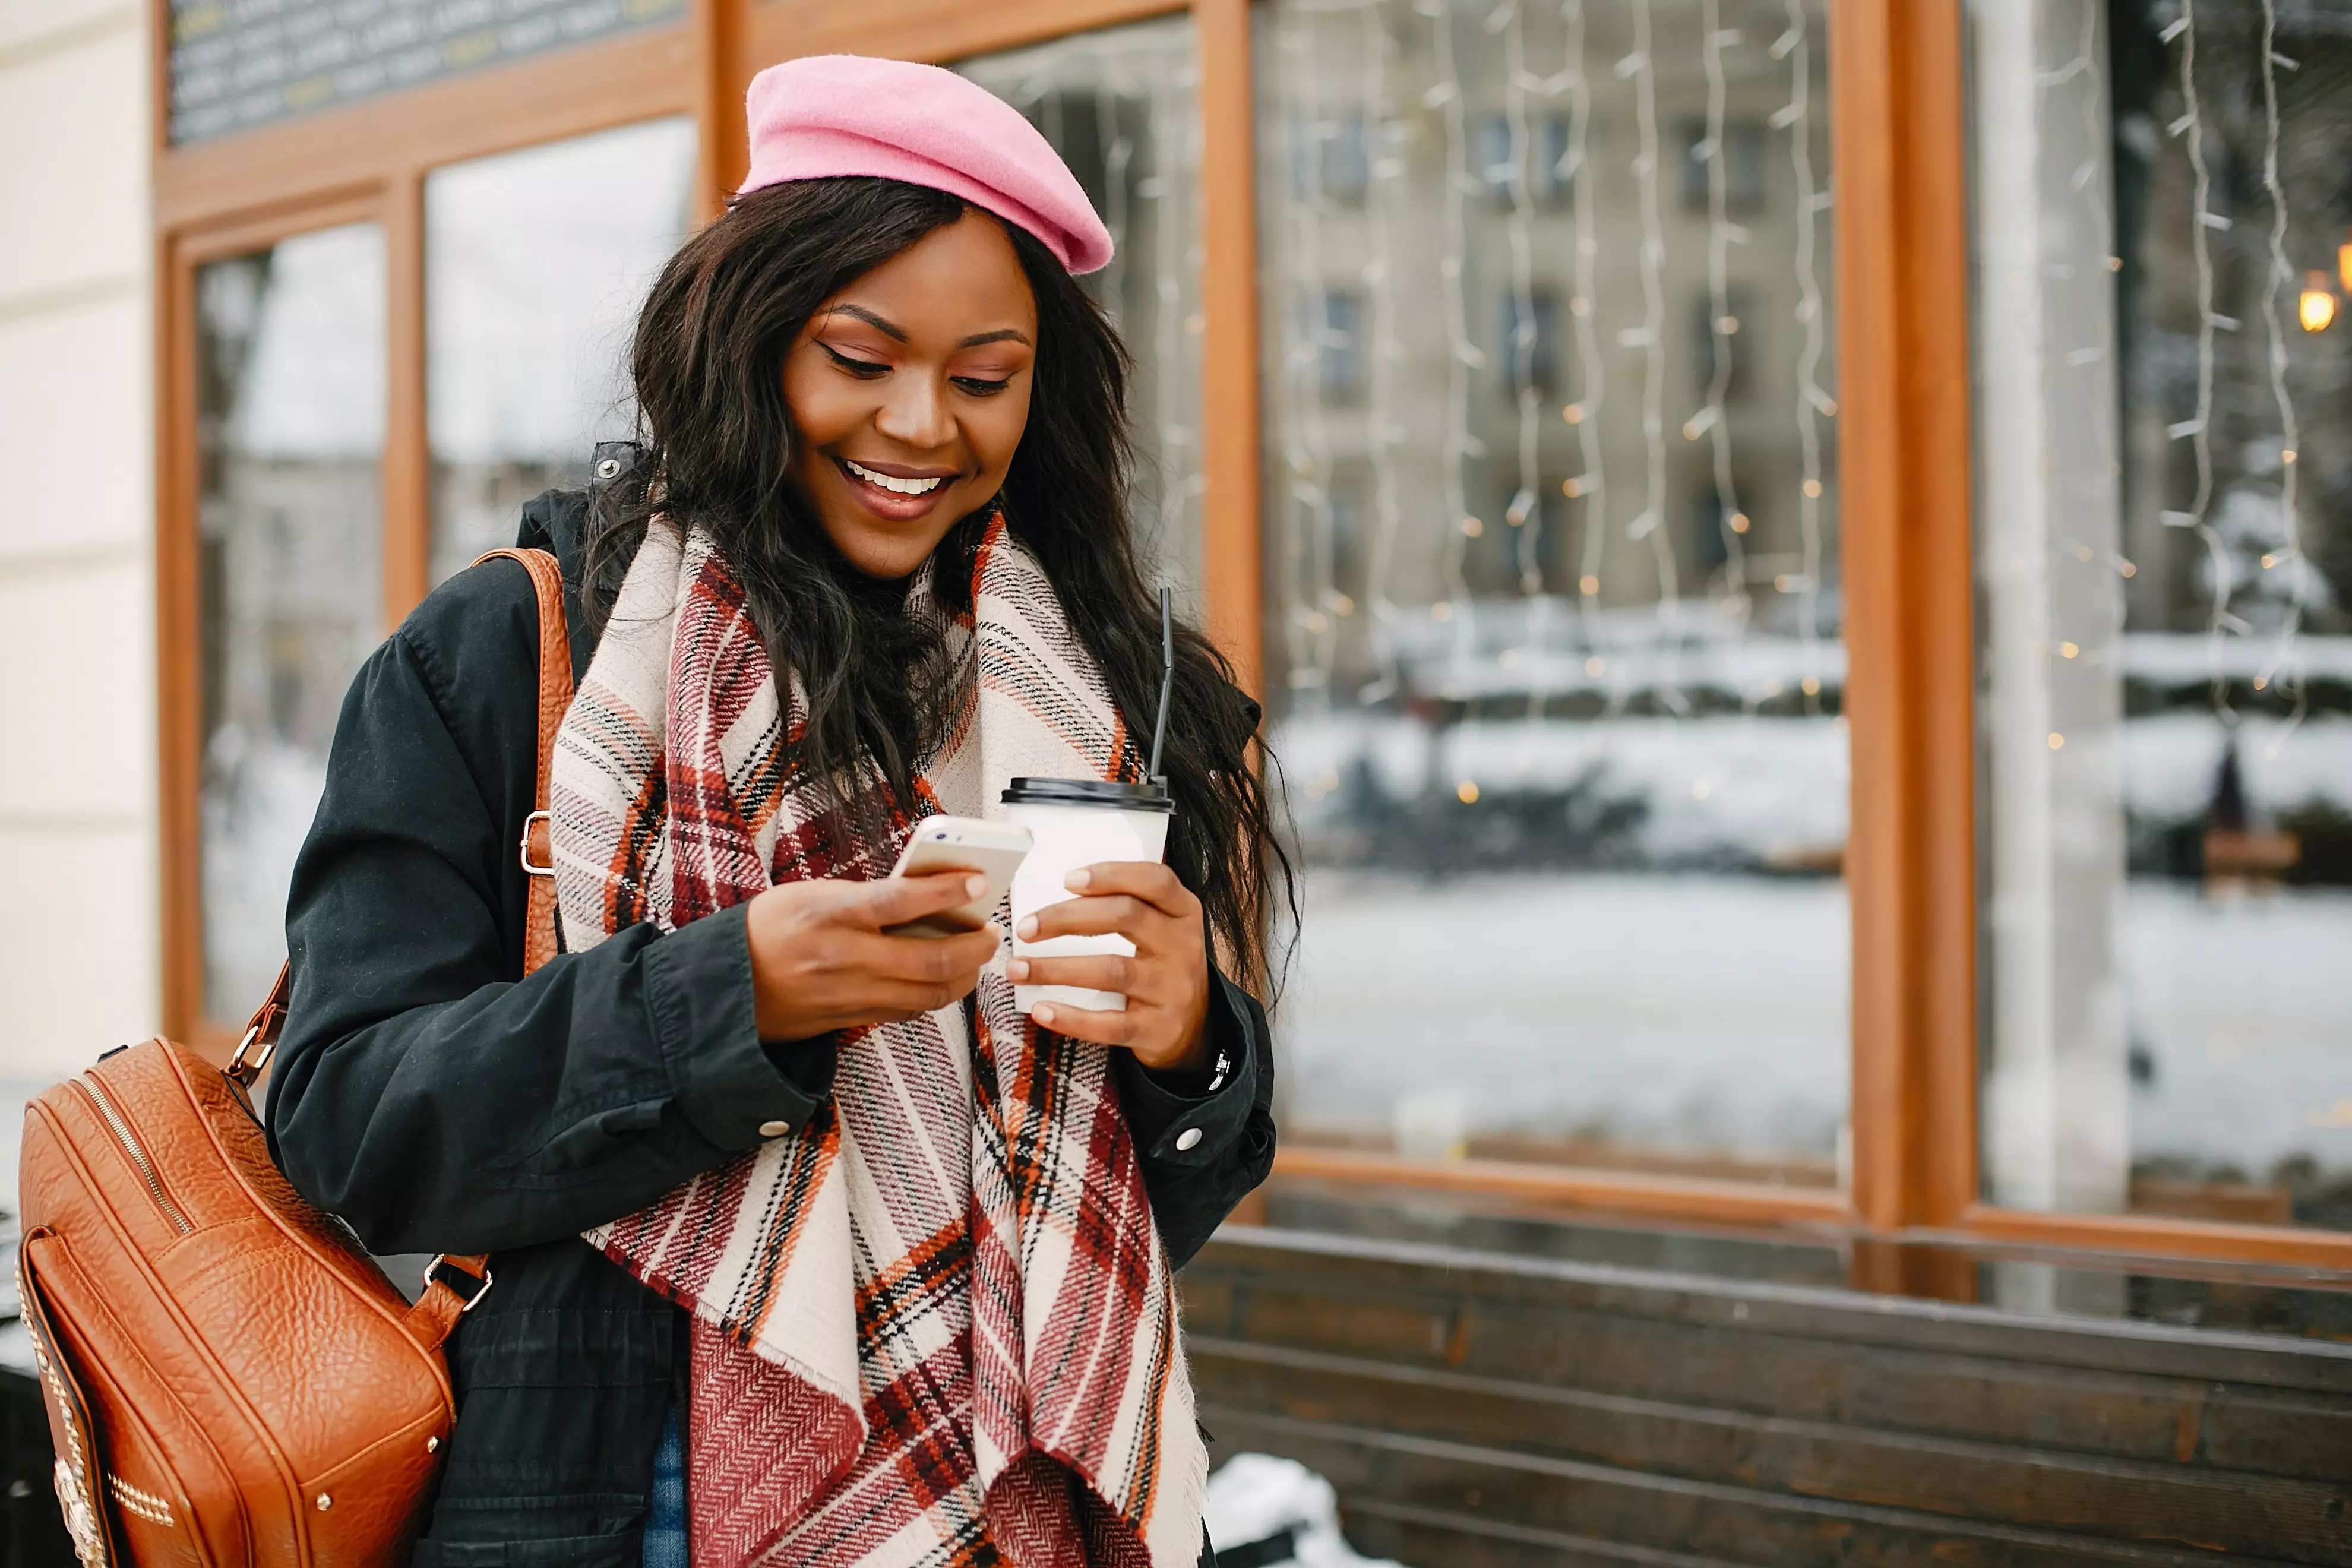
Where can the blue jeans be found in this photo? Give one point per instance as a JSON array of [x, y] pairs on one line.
[[666, 1520]]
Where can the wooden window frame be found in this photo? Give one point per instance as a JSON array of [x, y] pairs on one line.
[[1901, 236]]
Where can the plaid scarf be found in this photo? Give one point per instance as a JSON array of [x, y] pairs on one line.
[[935, 1326]]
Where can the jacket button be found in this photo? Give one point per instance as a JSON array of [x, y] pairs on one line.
[[432, 1445], [608, 467], [325, 1503], [1187, 1138], [774, 1129]]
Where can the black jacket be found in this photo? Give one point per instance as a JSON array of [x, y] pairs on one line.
[[440, 1102]]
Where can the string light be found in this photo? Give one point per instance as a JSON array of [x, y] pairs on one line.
[[1462, 356], [2290, 436], [1814, 403], [1118, 153], [1176, 262], [1713, 420], [1525, 512], [2197, 429], [1119, 65], [2315, 307], [2084, 67], [1384, 171], [1589, 485], [1651, 336], [1454, 77], [1649, 524], [1313, 637]]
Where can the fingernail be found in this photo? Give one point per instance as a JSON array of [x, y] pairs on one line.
[[1029, 929], [1018, 969], [973, 886], [1045, 1013], [1077, 879]]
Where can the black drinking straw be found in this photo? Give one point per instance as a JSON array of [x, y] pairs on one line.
[[1166, 676]]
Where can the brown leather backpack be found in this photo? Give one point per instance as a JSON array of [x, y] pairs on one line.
[[230, 1378]]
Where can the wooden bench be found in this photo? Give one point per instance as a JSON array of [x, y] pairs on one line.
[[1474, 1409]]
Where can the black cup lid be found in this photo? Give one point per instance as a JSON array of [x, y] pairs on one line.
[[1152, 796]]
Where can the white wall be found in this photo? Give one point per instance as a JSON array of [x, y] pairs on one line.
[[79, 967]]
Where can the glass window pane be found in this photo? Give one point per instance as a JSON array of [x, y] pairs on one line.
[[290, 422], [1121, 106], [536, 265], [2165, 544], [1553, 579]]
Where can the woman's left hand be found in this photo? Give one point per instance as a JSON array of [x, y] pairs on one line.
[[1166, 983]]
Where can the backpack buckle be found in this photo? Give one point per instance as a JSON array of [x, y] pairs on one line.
[[471, 1290], [544, 840]]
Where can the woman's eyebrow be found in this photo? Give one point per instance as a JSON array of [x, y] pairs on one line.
[[897, 334], [871, 319]]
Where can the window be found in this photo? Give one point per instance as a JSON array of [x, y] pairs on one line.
[[1520, 503], [1501, 164], [1528, 339], [1732, 154], [1121, 106], [2164, 453], [1337, 342], [536, 263], [1570, 790], [290, 415], [1716, 316]]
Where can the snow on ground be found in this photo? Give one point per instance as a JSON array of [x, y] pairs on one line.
[[2170, 760], [1703, 1013], [1760, 785], [1757, 785], [1710, 1013], [1257, 1497], [2245, 1007], [2184, 660]]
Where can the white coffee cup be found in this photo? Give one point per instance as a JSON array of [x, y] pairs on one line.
[[1075, 823]]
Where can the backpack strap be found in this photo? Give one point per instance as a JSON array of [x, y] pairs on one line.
[[453, 1283], [539, 942], [536, 850]]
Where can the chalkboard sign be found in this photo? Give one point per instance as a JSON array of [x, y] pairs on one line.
[[237, 64]]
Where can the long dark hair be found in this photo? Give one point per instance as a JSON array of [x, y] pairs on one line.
[[707, 365]]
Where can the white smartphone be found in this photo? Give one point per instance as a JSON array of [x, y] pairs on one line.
[[994, 850]]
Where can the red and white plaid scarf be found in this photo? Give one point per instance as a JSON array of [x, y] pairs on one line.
[[935, 1327]]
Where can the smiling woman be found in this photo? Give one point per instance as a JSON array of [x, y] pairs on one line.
[[870, 558]]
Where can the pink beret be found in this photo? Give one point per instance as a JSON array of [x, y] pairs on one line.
[[847, 114]]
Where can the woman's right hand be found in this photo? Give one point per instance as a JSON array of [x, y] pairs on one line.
[[821, 960]]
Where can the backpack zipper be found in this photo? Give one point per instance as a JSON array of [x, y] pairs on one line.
[[104, 1103]]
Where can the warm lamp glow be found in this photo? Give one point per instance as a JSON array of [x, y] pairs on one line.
[[2344, 265], [2316, 308]]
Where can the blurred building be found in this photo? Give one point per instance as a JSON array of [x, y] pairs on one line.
[[1795, 550]]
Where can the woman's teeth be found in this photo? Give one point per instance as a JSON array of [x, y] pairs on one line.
[[895, 487]]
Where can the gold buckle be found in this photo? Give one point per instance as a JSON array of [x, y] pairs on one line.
[[244, 1071], [524, 848]]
